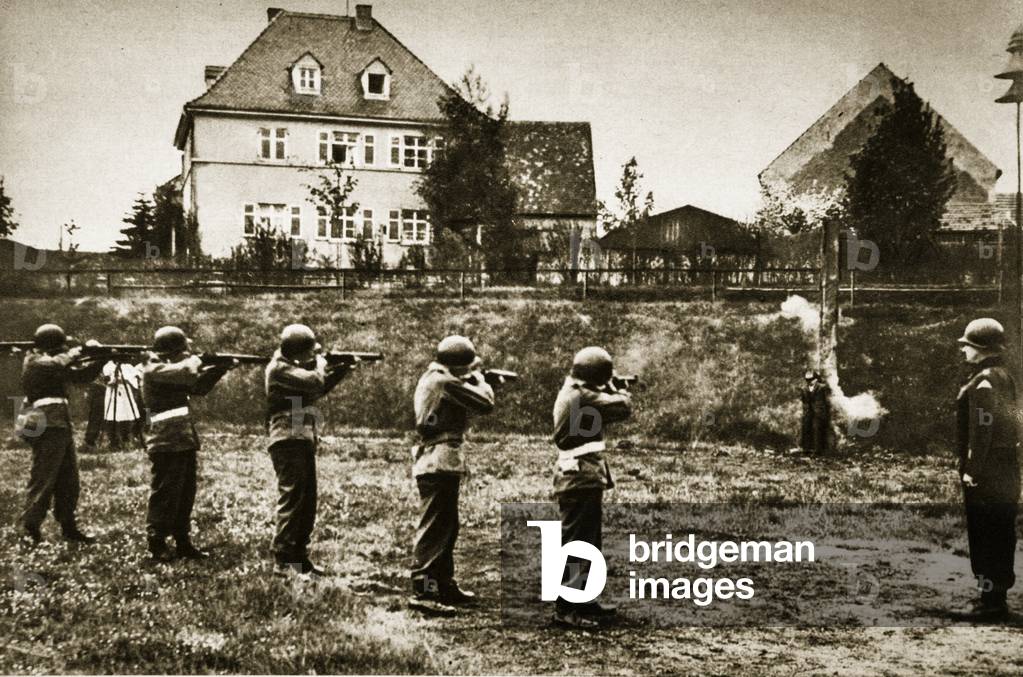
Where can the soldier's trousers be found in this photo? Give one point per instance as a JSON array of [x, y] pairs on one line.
[[53, 478], [172, 494], [581, 520], [433, 552], [991, 509], [295, 465], [96, 394]]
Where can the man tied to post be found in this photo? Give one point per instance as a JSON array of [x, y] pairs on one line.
[[451, 391], [45, 424], [170, 375], [588, 401], [987, 444], [296, 377]]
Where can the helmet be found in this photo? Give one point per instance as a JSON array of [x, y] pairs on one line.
[[170, 340], [49, 337], [985, 334], [456, 351], [296, 339], [592, 365]]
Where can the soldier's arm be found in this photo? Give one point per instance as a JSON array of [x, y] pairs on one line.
[[472, 392], [982, 416], [612, 406], [208, 377], [295, 380], [334, 376], [184, 373]]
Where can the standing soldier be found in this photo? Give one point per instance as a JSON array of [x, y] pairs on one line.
[[296, 378], [45, 423], [169, 377], [588, 400], [988, 466], [452, 389], [816, 423]]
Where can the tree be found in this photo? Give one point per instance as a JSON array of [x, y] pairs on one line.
[[330, 195], [138, 235], [168, 223], [7, 223], [468, 185], [70, 228], [900, 181], [783, 213], [269, 249], [628, 212]]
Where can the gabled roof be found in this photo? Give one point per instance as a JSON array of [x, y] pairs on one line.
[[551, 163], [685, 230], [259, 79], [967, 217], [820, 155]]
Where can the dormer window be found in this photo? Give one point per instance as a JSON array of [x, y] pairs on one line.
[[376, 80], [306, 75]]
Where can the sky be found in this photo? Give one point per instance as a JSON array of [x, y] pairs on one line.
[[704, 93]]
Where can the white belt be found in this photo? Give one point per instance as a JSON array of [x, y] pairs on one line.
[[43, 401], [170, 413], [588, 448]]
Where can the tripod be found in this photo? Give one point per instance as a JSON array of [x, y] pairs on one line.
[[119, 382]]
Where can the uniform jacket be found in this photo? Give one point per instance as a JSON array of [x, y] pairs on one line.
[[987, 422], [580, 413], [166, 387], [443, 404], [291, 390], [44, 379]]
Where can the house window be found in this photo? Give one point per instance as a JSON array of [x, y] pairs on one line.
[[348, 224], [272, 216], [338, 147], [394, 226], [272, 143], [322, 219], [414, 225], [368, 150], [308, 80], [375, 83], [415, 151], [367, 224], [438, 147]]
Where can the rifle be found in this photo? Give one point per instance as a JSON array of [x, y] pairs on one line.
[[496, 377], [97, 350], [350, 359], [226, 359], [15, 347], [624, 382]]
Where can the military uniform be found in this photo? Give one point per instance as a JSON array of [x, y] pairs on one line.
[[45, 423], [582, 475], [987, 444], [172, 442], [443, 405], [816, 421], [291, 390]]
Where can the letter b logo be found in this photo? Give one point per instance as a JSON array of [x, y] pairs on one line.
[[554, 556]]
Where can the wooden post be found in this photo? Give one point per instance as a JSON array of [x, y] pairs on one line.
[[67, 278], [342, 285], [110, 286], [586, 280], [461, 285], [713, 286], [827, 341], [852, 287]]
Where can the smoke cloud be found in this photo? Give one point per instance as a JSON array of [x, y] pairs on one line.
[[796, 307]]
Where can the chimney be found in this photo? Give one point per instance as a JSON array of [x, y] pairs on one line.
[[272, 12], [364, 17], [211, 73]]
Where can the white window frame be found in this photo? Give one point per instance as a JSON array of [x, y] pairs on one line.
[[393, 232], [275, 215], [331, 138], [419, 222], [367, 225], [248, 219], [295, 221], [351, 222], [322, 223], [273, 143], [369, 154], [413, 152], [307, 80], [377, 67]]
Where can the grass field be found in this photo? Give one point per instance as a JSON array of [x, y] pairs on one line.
[[102, 609]]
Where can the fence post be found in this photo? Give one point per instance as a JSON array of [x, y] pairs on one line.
[[852, 287], [110, 286], [714, 286], [586, 281], [67, 278], [461, 285], [342, 285]]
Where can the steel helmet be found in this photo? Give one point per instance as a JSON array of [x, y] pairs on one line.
[[456, 351], [170, 340], [984, 334], [49, 337], [592, 365], [296, 339]]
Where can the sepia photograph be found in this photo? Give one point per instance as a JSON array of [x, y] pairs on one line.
[[511, 337]]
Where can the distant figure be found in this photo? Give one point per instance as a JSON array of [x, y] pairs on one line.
[[121, 411], [816, 424], [987, 444]]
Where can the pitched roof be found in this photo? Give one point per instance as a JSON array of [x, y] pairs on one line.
[[820, 155], [965, 217], [686, 229], [551, 163], [259, 79]]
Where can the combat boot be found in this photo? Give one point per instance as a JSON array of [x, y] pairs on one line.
[[185, 549], [426, 598], [571, 618], [33, 533], [158, 550], [75, 535], [452, 594]]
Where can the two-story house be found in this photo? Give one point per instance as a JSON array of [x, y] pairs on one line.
[[314, 89]]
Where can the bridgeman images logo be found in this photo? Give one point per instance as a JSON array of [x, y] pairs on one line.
[[553, 558]]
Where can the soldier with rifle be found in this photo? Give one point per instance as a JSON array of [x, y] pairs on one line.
[[591, 397], [170, 376], [452, 390], [296, 378], [45, 424]]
